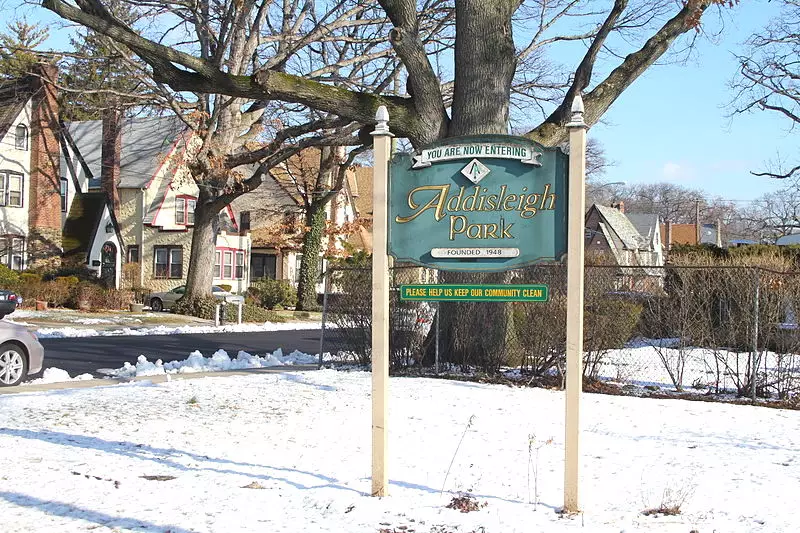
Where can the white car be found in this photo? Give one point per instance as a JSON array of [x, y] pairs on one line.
[[160, 301]]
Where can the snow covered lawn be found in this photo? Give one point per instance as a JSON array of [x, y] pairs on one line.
[[291, 452]]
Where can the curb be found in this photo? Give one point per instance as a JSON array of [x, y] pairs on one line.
[[161, 378]]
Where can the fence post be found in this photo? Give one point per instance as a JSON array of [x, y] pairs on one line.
[[436, 325], [754, 362], [575, 264], [239, 313], [216, 315], [380, 305], [325, 286]]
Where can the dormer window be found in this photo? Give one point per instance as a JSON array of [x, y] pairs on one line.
[[21, 137], [184, 210]]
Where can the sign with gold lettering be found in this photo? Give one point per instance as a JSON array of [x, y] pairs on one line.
[[483, 203]]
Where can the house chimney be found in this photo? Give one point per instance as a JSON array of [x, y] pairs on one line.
[[668, 236], [110, 154], [620, 206], [44, 200]]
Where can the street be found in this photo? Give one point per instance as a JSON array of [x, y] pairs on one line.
[[88, 354]]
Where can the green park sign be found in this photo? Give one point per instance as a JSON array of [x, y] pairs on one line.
[[482, 203], [475, 293]]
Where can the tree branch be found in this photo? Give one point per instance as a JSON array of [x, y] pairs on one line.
[[423, 84], [552, 131], [203, 77]]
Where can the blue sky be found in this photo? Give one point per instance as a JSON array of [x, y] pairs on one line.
[[672, 124]]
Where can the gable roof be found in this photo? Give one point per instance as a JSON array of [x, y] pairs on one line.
[[623, 227], [14, 94], [146, 143], [647, 224]]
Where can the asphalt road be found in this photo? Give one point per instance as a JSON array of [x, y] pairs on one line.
[[88, 354]]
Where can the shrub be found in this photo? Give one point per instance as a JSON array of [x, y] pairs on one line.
[[201, 307], [8, 277], [251, 313], [271, 293], [609, 324], [225, 287], [28, 277], [82, 273]]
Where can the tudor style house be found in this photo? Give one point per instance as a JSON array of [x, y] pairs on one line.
[[626, 240], [138, 165], [31, 194]]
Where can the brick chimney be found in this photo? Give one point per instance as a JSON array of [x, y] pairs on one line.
[[44, 201], [668, 235], [620, 206], [110, 154]]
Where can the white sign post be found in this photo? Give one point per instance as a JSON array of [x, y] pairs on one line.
[[577, 207], [380, 305]]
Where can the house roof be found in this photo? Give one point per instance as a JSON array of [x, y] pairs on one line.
[[645, 223], [14, 94], [146, 142], [623, 227]]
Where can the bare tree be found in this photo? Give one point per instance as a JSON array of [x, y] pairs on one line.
[[773, 215], [768, 77], [463, 71]]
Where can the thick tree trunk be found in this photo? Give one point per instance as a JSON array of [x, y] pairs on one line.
[[200, 276], [470, 333], [310, 263], [485, 64]]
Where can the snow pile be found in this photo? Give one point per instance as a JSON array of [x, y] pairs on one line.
[[49, 333], [56, 375], [218, 362]]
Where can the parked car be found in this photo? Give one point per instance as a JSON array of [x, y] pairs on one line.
[[21, 355], [160, 301], [9, 301]]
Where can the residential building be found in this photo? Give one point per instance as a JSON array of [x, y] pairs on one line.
[[275, 213], [626, 240], [138, 165], [691, 234], [30, 184]]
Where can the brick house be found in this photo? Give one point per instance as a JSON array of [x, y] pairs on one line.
[[31, 194]]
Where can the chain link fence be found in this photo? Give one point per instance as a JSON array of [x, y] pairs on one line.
[[713, 329]]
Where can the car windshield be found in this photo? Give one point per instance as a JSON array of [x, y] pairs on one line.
[[179, 290], [217, 289]]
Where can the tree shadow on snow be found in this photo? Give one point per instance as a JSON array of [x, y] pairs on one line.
[[167, 457], [67, 510]]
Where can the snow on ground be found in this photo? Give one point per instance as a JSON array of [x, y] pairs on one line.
[[57, 375], [219, 361], [45, 333], [290, 452], [646, 362]]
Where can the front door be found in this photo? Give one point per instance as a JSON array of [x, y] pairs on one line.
[[108, 264]]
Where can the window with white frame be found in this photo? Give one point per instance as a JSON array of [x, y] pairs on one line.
[[184, 210], [218, 264], [168, 262], [21, 137], [227, 266], [12, 251], [239, 265], [64, 194], [10, 189]]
